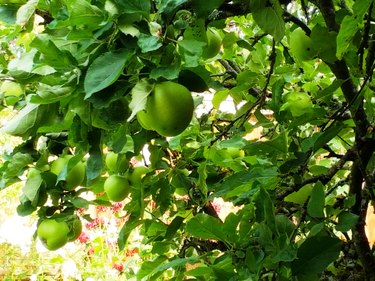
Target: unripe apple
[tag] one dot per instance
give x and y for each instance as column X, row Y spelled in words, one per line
column 53, row 233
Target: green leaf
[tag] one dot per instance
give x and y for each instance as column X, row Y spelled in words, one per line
column 32, row 185
column 83, row 13
column 94, row 165
column 277, row 91
column 168, row 72
column 17, row 164
column 192, row 51
column 105, row 70
column 25, row 209
column 79, row 202
column 315, row 254
column 265, row 211
column 230, row 227
column 326, row 136
column 148, row 267
column 125, row 231
column 141, row 7
column 205, row 8
column 346, row 221
column 175, row 263
column 219, row 97
column 46, row 94
column 279, row 144
column 284, row 225
column 8, row 13
column 324, row 42
column 28, row 120
column 315, row 206
column 205, row 227
column 243, row 184
column 300, row 196
column 26, row 11
column 119, row 139
column 169, row 6
column 223, row 267
column 139, row 95
column 173, row 227
column 348, row 28
column 148, row 43
column 202, row 270
column 360, row 7
column 284, row 251
column 271, row 21
column 202, row 172
column 52, row 55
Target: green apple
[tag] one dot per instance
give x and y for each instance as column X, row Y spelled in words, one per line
column 169, row 109
column 53, row 233
column 75, row 175
column 137, row 174
column 116, row 187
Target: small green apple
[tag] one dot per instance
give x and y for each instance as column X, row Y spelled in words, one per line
column 53, row 233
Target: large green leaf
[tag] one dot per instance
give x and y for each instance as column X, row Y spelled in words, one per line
column 105, row 70
column 270, row 20
column 265, row 211
column 26, row 11
column 324, row 42
column 29, row 119
column 32, row 185
column 52, row 55
column 141, row 7
column 139, row 95
column 83, row 13
column 169, row 6
column 315, row 206
column 205, row 8
column 346, row 221
column 349, row 27
column 315, row 254
column 148, row 43
column 8, row 13
column 205, row 227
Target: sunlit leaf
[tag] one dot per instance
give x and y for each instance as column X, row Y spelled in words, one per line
column 26, row 11
column 205, row 227
column 139, row 95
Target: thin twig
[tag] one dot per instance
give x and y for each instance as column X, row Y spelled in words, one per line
column 289, row 17
column 323, row 178
column 230, row 70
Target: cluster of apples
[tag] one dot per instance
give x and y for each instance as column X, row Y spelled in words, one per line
column 117, row 186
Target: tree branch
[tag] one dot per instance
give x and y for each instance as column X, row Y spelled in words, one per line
column 289, row 17
column 358, row 175
column 341, row 70
column 323, row 178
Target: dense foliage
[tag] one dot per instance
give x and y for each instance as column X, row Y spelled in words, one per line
column 295, row 157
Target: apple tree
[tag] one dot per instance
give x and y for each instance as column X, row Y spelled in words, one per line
column 107, row 98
